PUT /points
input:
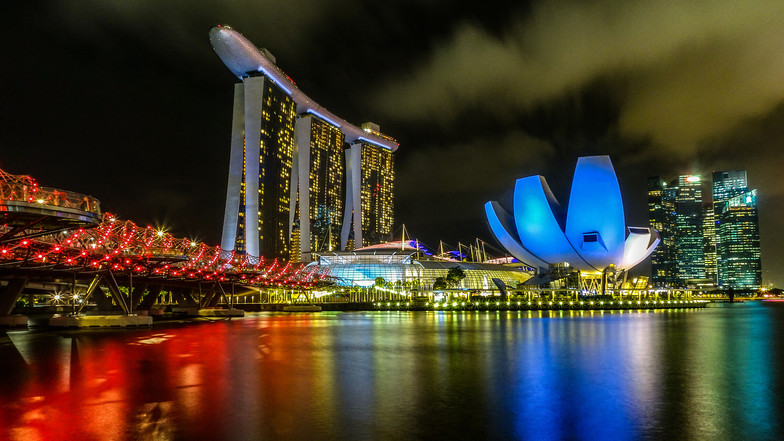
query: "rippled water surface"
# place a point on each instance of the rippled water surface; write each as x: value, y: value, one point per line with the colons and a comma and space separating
x: 716, y: 373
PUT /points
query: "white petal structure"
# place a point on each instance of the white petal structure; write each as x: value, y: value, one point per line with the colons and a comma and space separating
x: 591, y: 235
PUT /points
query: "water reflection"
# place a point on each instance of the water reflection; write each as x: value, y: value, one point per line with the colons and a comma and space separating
x: 703, y: 374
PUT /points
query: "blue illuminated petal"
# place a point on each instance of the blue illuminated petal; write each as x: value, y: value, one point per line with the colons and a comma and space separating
x: 595, y: 223
x: 593, y: 234
x: 639, y: 244
x: 537, y: 225
x: 502, y: 226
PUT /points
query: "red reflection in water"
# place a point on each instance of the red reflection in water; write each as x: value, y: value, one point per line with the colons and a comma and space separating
x: 187, y: 382
x: 112, y: 386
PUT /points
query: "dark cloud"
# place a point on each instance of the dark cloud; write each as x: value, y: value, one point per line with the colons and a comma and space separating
x: 126, y: 100
x: 441, y: 189
x: 179, y: 26
x: 690, y: 69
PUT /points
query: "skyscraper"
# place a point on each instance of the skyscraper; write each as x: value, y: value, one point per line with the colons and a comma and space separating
x: 318, y: 185
x: 709, y: 240
x: 717, y: 241
x: 661, y: 213
x: 369, y: 193
x: 689, y: 238
x: 737, y: 231
x: 727, y: 184
x: 256, y: 218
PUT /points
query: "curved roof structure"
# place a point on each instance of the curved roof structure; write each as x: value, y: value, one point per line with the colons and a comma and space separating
x: 590, y: 236
x: 361, y: 268
x: 243, y: 58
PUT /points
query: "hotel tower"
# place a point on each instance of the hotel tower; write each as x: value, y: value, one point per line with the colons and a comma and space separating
x: 301, y: 180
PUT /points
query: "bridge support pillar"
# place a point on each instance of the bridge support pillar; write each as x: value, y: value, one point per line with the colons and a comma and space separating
x: 10, y: 294
x: 114, y: 289
x: 152, y: 296
x: 95, y: 292
x: 183, y: 297
x: 211, y: 298
x: 137, y: 294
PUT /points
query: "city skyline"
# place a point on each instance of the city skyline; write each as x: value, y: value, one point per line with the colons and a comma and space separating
x: 709, y: 230
x: 135, y: 105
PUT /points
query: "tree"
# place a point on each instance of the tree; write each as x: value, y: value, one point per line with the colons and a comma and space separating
x: 455, y: 275
x: 439, y: 283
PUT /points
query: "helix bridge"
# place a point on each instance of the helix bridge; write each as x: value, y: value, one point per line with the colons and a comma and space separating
x: 52, y: 236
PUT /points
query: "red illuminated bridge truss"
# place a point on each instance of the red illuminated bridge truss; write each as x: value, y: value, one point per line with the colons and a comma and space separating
x: 48, y: 229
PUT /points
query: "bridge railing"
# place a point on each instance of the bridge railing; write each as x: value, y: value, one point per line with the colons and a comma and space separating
x: 23, y: 191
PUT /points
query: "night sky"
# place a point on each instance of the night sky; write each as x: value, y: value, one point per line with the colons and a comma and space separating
x: 127, y: 101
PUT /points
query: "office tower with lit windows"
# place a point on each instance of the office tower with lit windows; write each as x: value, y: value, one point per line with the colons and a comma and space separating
x: 689, y: 238
x: 709, y: 240
x: 737, y: 231
x: 727, y: 184
x: 256, y: 218
x: 369, y: 193
x: 717, y: 241
x: 676, y: 211
x: 318, y: 185
x: 661, y: 213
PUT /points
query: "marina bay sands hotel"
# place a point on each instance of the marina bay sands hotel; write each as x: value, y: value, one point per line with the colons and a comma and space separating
x: 301, y: 180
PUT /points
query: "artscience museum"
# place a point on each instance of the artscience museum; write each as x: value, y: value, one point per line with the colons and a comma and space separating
x: 589, y: 235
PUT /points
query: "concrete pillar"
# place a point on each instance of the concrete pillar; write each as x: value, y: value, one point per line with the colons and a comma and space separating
x: 231, y: 214
x: 302, y: 135
x: 152, y: 296
x: 353, y: 197
x: 254, y: 98
x: 137, y: 294
x: 10, y: 294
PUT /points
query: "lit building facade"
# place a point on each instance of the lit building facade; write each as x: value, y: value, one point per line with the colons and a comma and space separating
x: 689, y: 238
x: 256, y: 217
x: 727, y: 184
x: 737, y: 231
x: 409, y: 269
x: 369, y: 194
x: 715, y: 241
x: 709, y: 240
x: 318, y: 185
x: 303, y: 170
x: 661, y: 213
x: 738, y: 243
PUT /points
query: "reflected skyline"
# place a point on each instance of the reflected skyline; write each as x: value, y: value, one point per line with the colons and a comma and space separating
x: 690, y: 374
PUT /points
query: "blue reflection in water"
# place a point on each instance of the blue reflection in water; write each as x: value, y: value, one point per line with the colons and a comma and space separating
x: 567, y: 381
x: 701, y: 374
